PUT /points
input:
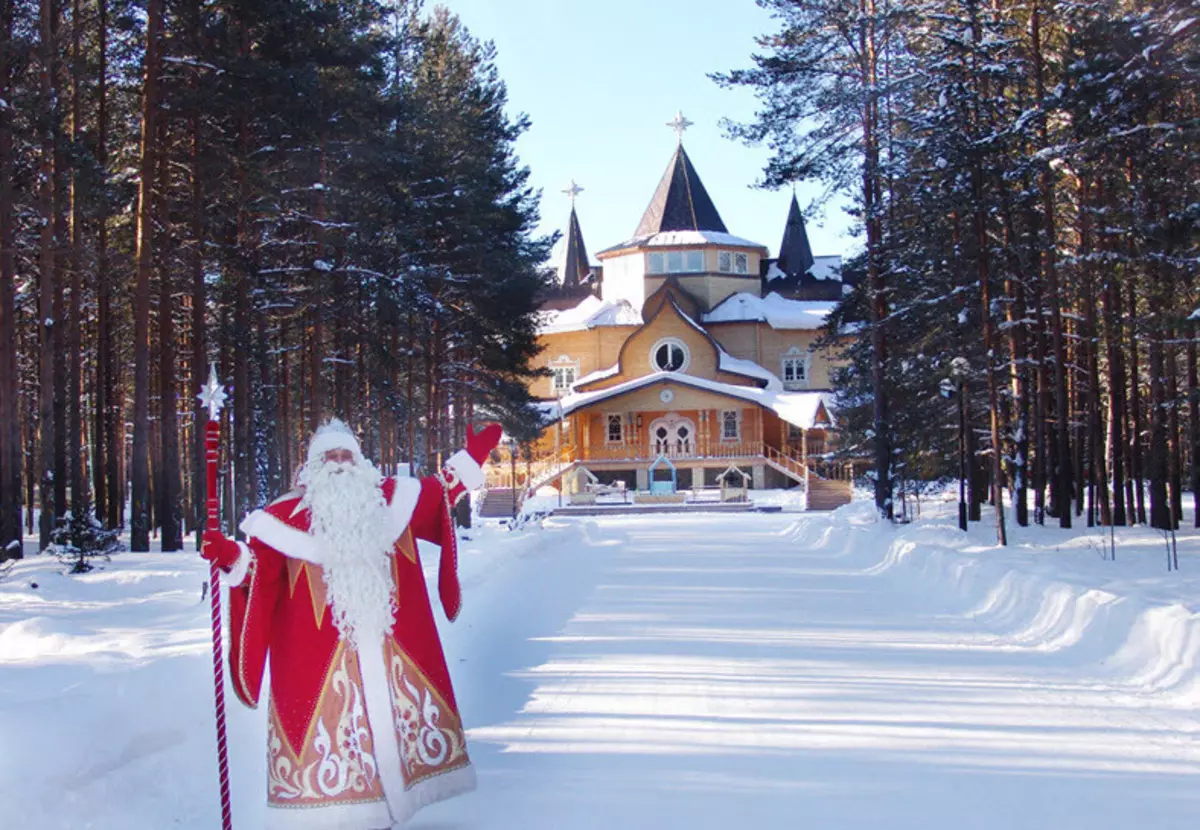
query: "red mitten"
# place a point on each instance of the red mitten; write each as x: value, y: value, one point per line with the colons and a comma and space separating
x: 480, y: 444
x: 217, y: 549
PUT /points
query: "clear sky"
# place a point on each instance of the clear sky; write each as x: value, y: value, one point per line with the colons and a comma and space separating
x: 600, y: 79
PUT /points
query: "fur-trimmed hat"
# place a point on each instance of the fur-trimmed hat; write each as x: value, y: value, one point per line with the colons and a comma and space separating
x: 333, y: 435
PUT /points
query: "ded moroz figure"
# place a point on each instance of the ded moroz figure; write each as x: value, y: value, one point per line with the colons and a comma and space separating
x: 362, y: 727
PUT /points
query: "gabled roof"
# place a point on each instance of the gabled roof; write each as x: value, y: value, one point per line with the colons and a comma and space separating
x: 575, y: 266
x: 680, y: 202
x: 795, y: 254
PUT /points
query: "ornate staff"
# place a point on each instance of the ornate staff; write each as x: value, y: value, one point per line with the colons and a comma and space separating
x: 213, y: 397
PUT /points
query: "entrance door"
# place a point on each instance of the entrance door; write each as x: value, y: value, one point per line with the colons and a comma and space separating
x: 673, y: 436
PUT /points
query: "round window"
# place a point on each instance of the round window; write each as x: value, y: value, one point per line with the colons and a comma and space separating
x: 669, y: 356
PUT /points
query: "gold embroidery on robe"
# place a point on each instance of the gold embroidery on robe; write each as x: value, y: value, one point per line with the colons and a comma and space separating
x: 336, y: 762
x: 430, y: 732
x: 298, y: 568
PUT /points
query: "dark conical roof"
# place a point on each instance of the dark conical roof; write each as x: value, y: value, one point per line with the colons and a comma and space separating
x: 680, y: 203
x: 576, y: 266
x: 795, y: 254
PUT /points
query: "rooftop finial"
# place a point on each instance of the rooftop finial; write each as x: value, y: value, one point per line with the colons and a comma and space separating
x: 572, y: 191
x: 679, y: 124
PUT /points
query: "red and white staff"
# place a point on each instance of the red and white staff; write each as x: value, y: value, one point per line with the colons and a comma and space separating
x: 213, y: 397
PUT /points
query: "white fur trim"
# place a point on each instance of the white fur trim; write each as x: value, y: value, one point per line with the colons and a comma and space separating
x: 370, y: 815
x: 404, y: 502
x: 377, y: 696
x: 237, y: 574
x: 403, y: 803
x: 283, y: 537
x: 433, y: 790
x: 468, y: 472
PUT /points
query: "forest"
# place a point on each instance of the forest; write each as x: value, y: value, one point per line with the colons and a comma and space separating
x: 1026, y: 180
x: 320, y: 199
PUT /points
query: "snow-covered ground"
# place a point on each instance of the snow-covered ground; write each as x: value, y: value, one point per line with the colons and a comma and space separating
x: 780, y: 670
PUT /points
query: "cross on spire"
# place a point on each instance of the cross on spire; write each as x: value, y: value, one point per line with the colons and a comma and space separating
x: 679, y: 124
x: 572, y: 191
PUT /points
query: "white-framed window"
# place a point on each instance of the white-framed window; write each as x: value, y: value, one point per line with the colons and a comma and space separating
x: 563, y: 373
x: 669, y: 355
x: 794, y: 368
x: 564, y: 378
x: 613, y: 433
x: 675, y: 262
x: 733, y: 262
x: 731, y: 425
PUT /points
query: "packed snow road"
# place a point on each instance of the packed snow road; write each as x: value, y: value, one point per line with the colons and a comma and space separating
x: 718, y: 672
x: 698, y: 672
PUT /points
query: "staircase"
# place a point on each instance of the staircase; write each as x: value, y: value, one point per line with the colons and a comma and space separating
x: 827, y: 494
x: 499, y: 503
x: 791, y: 467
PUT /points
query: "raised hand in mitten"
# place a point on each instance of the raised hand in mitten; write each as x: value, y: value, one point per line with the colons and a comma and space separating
x: 480, y: 444
x: 219, y: 550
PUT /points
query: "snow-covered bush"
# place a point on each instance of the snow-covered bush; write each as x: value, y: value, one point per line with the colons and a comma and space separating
x: 76, y: 541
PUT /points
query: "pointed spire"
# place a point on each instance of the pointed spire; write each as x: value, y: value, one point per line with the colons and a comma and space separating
x: 680, y: 202
x: 576, y: 267
x: 795, y: 254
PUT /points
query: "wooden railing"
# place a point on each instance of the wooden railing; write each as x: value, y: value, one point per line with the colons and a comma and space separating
x: 786, y: 462
x: 645, y: 451
x: 527, y: 474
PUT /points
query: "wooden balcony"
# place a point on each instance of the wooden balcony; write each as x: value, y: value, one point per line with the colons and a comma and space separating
x: 635, y: 452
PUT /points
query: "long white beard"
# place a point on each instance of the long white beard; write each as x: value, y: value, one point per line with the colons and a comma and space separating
x: 349, y: 516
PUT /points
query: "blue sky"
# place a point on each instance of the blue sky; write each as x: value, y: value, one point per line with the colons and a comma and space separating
x: 600, y: 79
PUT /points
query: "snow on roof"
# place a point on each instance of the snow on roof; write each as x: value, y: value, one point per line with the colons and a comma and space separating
x: 798, y: 408
x: 672, y: 238
x: 826, y: 268
x: 599, y: 374
x: 741, y: 366
x: 823, y: 268
x: 589, y: 314
x: 779, y: 312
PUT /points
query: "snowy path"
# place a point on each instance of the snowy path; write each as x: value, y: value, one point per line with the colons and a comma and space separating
x: 717, y: 675
x: 774, y: 671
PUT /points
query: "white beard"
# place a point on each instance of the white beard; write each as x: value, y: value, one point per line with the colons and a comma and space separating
x: 349, y: 516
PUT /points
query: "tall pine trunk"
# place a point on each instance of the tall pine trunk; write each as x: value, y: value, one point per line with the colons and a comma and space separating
x: 983, y: 272
x: 74, y: 394
x: 875, y: 276
x: 1174, y: 449
x: 1136, y: 467
x: 10, y: 422
x: 140, y: 473
x: 169, y: 516
x: 1116, y: 392
x: 46, y: 244
x: 196, y: 264
x: 1193, y: 421
x: 103, y: 451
